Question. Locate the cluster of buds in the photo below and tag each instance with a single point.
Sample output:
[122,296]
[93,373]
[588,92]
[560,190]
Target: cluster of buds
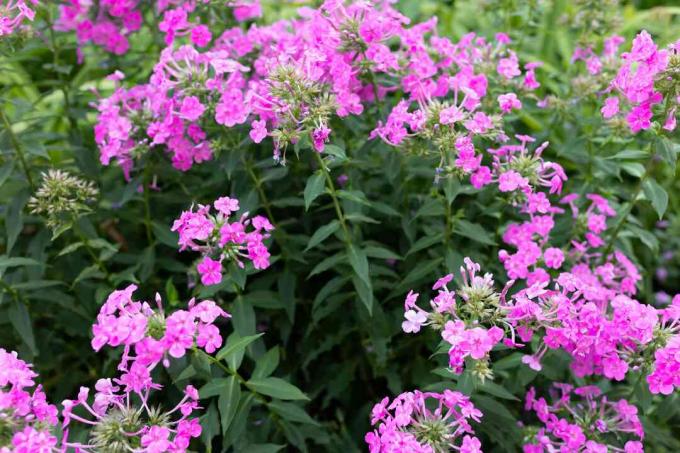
[581,419]
[27,420]
[62,198]
[419,422]
[218,239]
[471,327]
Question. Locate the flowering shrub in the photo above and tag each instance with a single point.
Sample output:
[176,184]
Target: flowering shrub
[212,212]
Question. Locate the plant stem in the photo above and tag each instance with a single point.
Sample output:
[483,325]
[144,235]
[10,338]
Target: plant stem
[629,207]
[18,148]
[260,191]
[333,193]
[147,205]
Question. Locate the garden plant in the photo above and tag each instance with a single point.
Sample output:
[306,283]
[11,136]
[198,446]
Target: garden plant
[262,226]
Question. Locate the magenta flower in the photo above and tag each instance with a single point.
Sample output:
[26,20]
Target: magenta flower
[258,131]
[223,237]
[191,108]
[397,423]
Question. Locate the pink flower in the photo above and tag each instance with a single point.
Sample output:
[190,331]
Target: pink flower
[191,108]
[509,67]
[258,131]
[414,321]
[410,301]
[508,102]
[320,137]
[210,270]
[200,35]
[156,439]
[611,107]
[553,257]
[247,9]
[471,445]
[511,180]
[451,115]
[480,123]
[226,205]
[443,281]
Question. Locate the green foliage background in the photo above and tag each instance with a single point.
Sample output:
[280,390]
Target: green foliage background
[306,321]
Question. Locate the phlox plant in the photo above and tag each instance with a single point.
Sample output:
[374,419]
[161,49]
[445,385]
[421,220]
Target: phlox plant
[339,225]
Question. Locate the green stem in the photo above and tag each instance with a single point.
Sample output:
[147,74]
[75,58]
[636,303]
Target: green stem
[147,205]
[629,207]
[260,191]
[333,193]
[374,83]
[63,84]
[18,148]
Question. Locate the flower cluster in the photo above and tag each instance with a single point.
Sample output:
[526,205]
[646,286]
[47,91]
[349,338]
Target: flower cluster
[647,77]
[581,419]
[121,417]
[12,15]
[222,237]
[177,21]
[461,91]
[105,23]
[471,327]
[132,122]
[595,63]
[417,422]
[665,376]
[152,335]
[26,418]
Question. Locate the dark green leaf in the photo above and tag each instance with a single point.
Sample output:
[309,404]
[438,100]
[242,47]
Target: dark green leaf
[315,187]
[276,388]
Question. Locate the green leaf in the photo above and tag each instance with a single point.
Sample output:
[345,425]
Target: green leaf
[210,425]
[629,154]
[213,388]
[473,231]
[665,149]
[14,220]
[633,168]
[263,448]
[365,293]
[21,321]
[276,388]
[356,196]
[375,251]
[88,273]
[327,263]
[17,261]
[37,284]
[236,346]
[656,195]
[228,401]
[335,151]
[315,187]
[265,365]
[496,390]
[291,412]
[359,262]
[322,233]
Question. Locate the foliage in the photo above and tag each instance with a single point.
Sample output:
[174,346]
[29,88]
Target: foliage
[208,212]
